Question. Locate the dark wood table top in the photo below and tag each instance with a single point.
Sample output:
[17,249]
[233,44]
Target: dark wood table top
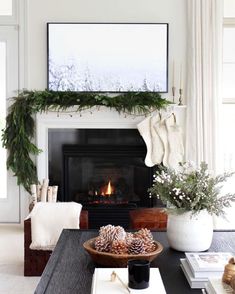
[70,267]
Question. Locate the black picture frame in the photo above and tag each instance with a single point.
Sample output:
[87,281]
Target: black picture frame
[72,81]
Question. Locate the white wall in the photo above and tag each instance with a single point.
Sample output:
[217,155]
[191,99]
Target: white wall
[43,11]
[38,12]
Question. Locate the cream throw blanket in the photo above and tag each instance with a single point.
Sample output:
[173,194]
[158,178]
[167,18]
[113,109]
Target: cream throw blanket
[49,219]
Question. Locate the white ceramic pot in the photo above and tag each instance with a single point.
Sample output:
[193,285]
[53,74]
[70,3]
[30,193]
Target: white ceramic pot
[187,232]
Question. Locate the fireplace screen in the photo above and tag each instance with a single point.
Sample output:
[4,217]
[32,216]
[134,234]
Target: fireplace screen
[113,175]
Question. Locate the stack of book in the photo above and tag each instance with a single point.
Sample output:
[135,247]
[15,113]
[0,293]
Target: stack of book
[199,267]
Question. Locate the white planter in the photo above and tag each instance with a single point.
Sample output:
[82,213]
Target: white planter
[187,232]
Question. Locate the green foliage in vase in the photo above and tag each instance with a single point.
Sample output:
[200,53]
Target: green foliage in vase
[20,127]
[191,189]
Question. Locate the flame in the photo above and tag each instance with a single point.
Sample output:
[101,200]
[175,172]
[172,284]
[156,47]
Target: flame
[109,189]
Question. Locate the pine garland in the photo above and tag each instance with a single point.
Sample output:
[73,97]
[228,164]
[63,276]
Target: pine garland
[20,126]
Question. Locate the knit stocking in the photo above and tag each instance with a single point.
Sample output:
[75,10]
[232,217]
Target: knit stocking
[144,129]
[176,146]
[160,128]
[157,145]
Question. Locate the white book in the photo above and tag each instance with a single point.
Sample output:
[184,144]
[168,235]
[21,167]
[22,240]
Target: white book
[194,283]
[101,283]
[205,274]
[207,261]
[216,286]
[211,274]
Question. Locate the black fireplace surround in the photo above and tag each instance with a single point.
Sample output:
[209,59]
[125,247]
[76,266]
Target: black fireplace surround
[103,169]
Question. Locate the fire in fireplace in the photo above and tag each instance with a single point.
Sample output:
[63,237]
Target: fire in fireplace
[106,194]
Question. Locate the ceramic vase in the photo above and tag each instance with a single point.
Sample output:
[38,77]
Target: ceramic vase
[190,232]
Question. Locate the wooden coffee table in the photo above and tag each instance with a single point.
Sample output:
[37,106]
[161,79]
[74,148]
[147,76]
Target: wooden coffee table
[70,268]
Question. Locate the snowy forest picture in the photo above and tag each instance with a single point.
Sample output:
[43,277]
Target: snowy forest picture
[107,57]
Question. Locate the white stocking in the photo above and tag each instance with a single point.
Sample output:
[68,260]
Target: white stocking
[176,146]
[157,145]
[144,129]
[160,128]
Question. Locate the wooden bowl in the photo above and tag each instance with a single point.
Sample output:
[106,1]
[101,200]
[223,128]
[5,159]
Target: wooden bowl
[118,260]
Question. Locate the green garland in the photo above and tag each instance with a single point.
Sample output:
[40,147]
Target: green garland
[20,127]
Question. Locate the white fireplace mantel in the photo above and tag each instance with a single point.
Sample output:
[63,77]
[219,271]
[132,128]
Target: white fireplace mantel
[102,118]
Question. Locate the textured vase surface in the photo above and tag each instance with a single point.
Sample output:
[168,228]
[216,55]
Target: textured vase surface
[187,232]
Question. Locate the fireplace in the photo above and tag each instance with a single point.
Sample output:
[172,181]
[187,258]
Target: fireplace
[99,126]
[103,169]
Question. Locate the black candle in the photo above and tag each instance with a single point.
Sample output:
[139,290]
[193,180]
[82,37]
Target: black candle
[138,274]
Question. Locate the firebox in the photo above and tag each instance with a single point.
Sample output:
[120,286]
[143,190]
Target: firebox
[106,175]
[103,169]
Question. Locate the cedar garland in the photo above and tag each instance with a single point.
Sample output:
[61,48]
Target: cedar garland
[20,126]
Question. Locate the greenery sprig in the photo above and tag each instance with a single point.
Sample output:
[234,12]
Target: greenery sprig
[20,126]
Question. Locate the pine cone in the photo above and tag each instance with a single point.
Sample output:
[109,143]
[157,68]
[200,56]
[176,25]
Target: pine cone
[112,233]
[119,234]
[144,233]
[136,246]
[129,238]
[108,232]
[102,245]
[119,247]
[149,246]
[146,236]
